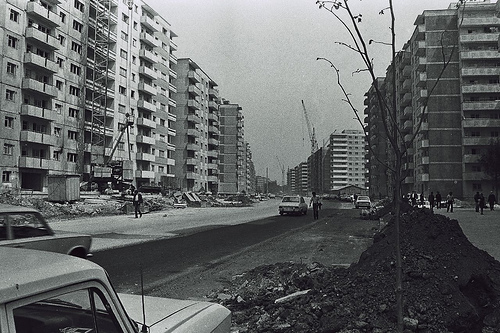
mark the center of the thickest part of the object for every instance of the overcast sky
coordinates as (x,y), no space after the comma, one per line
(262,54)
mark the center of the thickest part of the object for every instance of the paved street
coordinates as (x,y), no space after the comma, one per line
(114,231)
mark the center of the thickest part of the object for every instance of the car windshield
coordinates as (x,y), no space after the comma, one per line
(362,198)
(291,199)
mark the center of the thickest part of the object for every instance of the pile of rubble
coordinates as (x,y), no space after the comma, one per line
(448,286)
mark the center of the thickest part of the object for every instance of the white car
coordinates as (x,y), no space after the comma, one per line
(51,292)
(363,201)
(26,227)
(293,205)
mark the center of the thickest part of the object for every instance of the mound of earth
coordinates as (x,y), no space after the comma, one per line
(449,285)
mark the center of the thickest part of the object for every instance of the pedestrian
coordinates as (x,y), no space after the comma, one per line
(449,202)
(431,201)
(316,204)
(438,200)
(492,200)
(422,200)
(482,202)
(476,200)
(414,196)
(137,201)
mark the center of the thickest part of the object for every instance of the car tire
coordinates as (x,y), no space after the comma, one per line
(281,213)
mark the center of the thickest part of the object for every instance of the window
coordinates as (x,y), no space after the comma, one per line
(135,25)
(57,131)
(60,62)
(134,59)
(9,122)
(123,71)
(133,77)
(124,36)
(59,84)
(11,68)
(494,134)
(75,69)
(79,6)
(5,176)
(123,54)
(72,135)
(73,112)
(72,157)
(125,18)
(77,26)
(76,47)
(62,16)
(10,95)
(132,94)
(122,90)
(134,42)
(13,42)
(75,91)
(8,149)
(56,155)
(62,39)
(14,16)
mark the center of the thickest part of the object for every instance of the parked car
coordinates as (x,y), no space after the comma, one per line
(51,292)
(26,227)
(293,205)
(363,201)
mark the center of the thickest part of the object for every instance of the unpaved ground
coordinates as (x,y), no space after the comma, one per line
(337,239)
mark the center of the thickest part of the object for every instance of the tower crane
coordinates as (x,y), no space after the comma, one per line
(282,168)
(310,129)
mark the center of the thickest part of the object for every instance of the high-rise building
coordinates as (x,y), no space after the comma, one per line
(78,74)
(197,128)
(452,114)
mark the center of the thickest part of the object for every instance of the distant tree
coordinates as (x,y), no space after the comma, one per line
(490,163)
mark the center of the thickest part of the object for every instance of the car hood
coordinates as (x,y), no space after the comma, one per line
(173,315)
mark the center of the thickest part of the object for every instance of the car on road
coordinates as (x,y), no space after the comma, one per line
(51,292)
(293,204)
(26,227)
(363,201)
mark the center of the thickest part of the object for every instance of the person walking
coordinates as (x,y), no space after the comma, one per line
(476,200)
(431,201)
(491,200)
(482,202)
(137,201)
(438,200)
(316,204)
(449,202)
(422,200)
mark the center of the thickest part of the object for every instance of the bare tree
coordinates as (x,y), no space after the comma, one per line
(387,105)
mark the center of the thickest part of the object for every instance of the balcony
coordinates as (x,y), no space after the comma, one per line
(422,79)
(481,122)
(406,100)
(471,158)
(194,104)
(213,129)
(40,62)
(408,125)
(144,174)
(40,138)
(194,90)
(408,166)
(193,118)
(147,88)
(422,64)
(213,92)
(38,36)
(406,85)
(474,176)
(145,122)
(213,142)
(213,105)
(193,147)
(143,104)
(212,116)
(37,112)
(192,161)
(477,141)
(422,95)
(39,87)
(148,72)
(34,163)
(193,76)
(42,14)
(213,153)
(150,23)
(420,32)
(474,106)
(145,157)
(425,160)
(480,88)
(479,38)
(480,21)
(480,71)
(212,179)
(489,54)
(148,39)
(422,144)
(148,55)
(192,175)
(145,139)
(193,132)
(173,45)
(421,48)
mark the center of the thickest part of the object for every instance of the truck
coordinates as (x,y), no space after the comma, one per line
(51,292)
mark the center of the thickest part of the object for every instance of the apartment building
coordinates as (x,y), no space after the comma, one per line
(454,120)
(250,170)
(347,159)
(86,82)
(197,128)
(231,149)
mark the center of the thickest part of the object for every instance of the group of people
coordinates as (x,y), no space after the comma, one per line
(480,201)
(437,201)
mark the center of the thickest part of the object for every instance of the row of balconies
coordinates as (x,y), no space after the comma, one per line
(482,54)
(36,35)
(480,88)
(479,38)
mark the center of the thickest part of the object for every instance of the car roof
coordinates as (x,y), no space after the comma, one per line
(6,208)
(27,272)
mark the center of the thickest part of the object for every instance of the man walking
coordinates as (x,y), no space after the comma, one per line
(438,200)
(137,201)
(431,201)
(491,200)
(476,200)
(315,202)
(449,202)
(482,202)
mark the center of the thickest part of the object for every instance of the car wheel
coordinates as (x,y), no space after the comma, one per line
(79,252)
(281,213)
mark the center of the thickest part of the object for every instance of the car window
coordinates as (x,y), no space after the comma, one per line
(302,200)
(83,310)
(290,199)
(23,225)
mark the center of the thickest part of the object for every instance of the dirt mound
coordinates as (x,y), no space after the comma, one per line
(448,285)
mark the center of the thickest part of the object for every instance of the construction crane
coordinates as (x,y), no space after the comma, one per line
(310,129)
(282,168)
